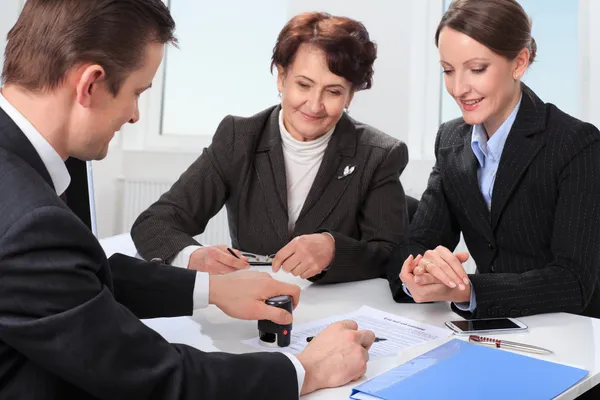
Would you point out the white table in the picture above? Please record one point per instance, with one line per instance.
(575, 340)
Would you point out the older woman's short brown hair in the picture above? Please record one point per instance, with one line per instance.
(346, 44)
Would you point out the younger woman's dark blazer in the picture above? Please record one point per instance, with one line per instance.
(538, 249)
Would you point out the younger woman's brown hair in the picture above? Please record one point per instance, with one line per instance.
(501, 25)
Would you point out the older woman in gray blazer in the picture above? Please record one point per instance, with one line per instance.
(301, 180)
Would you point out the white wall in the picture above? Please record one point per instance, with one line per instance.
(9, 11)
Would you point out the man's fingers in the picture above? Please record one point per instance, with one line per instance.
(348, 324)
(275, 314)
(283, 288)
(366, 338)
(363, 370)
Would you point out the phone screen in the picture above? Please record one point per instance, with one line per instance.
(485, 324)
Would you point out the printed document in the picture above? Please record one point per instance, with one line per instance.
(399, 333)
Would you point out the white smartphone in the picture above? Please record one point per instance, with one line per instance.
(495, 325)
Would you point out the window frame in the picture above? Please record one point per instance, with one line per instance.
(589, 47)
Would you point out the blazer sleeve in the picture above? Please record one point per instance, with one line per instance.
(150, 289)
(55, 311)
(567, 283)
(169, 225)
(433, 224)
(382, 221)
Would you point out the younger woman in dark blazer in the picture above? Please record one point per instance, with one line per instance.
(519, 178)
(301, 180)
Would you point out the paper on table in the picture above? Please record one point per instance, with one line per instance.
(181, 330)
(401, 333)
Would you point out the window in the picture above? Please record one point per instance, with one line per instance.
(222, 66)
(555, 74)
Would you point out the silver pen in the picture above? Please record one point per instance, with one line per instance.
(506, 344)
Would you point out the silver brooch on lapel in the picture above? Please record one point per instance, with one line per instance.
(348, 170)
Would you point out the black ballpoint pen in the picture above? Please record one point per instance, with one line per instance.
(232, 253)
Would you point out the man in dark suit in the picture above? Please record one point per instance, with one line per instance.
(69, 318)
(537, 248)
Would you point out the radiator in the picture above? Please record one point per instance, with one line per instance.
(138, 195)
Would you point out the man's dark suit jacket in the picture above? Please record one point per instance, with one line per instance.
(538, 249)
(244, 169)
(69, 318)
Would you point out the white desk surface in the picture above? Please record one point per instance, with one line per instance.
(572, 338)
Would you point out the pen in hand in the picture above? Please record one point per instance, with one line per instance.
(232, 253)
(377, 339)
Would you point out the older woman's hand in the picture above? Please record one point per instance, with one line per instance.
(305, 256)
(217, 260)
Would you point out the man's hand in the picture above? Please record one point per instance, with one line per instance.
(217, 260)
(305, 256)
(336, 356)
(242, 295)
(425, 287)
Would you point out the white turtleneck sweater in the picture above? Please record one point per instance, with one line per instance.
(302, 162)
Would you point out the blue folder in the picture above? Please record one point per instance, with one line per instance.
(462, 371)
